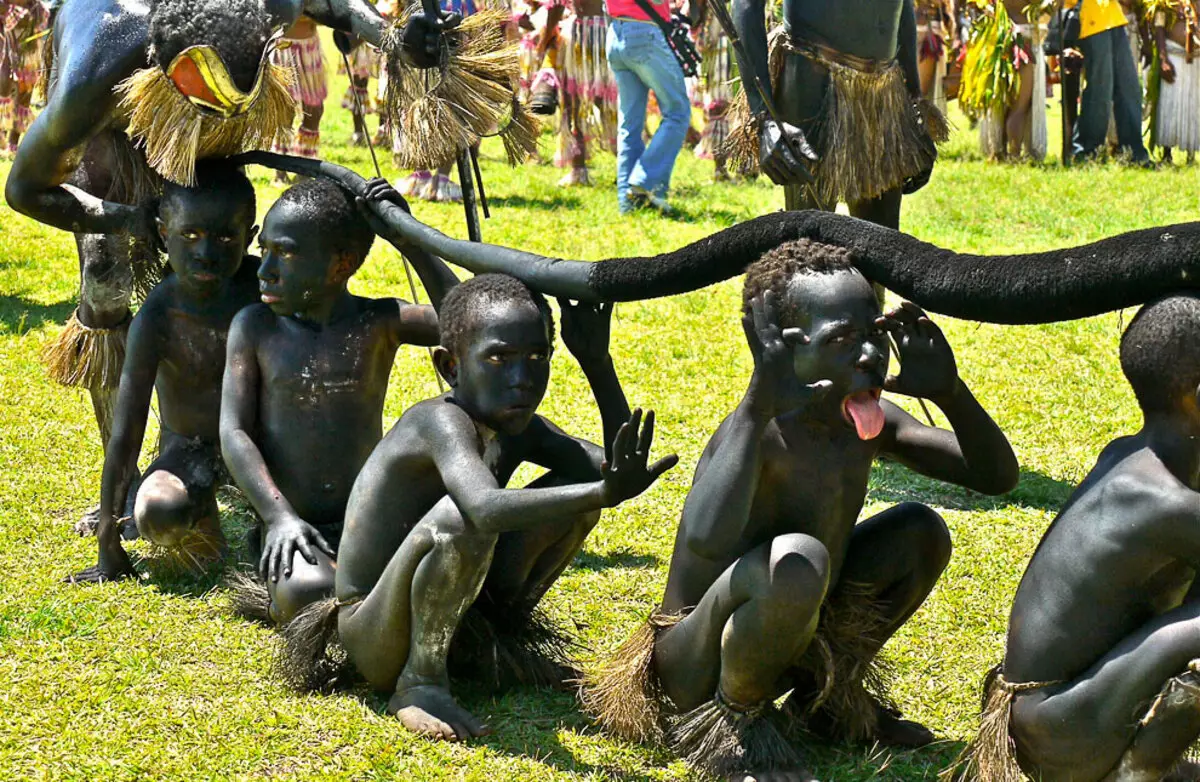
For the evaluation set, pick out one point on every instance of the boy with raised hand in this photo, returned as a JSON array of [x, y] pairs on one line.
[[177, 348], [430, 526], [774, 584], [305, 380]]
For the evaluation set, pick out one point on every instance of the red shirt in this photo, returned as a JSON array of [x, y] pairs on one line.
[[628, 9]]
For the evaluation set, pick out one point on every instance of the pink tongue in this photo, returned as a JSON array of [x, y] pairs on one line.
[[864, 408]]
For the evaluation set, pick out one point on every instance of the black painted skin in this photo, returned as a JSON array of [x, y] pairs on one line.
[[768, 530], [430, 524], [1108, 607], [176, 348], [880, 30], [98, 44], [302, 404]]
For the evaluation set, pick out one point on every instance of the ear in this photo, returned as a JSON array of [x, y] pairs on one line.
[[162, 230], [342, 268], [446, 365], [253, 232]]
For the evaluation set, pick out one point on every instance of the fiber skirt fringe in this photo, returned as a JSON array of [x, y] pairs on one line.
[[86, 357], [1179, 104], [587, 90], [864, 111], [438, 113], [992, 755], [303, 58], [505, 646]]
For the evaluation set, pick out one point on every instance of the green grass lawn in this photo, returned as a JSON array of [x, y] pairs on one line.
[[156, 680]]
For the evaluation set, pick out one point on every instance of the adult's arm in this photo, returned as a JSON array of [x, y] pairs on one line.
[[93, 56], [357, 17], [749, 20], [906, 49]]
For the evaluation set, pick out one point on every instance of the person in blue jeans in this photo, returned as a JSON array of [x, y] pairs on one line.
[[642, 61]]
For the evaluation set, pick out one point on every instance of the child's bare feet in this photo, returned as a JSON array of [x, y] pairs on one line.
[[431, 710]]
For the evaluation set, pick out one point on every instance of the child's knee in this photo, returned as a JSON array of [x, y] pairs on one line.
[[928, 533], [798, 574], [306, 585], [163, 511]]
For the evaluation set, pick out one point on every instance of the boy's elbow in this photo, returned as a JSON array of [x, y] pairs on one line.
[[19, 194], [1000, 480]]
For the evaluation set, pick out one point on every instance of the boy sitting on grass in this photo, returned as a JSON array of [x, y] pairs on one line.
[[306, 375], [177, 347], [431, 528], [774, 584], [1101, 676]]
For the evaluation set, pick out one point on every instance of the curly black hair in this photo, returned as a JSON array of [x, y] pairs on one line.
[[1160, 353], [237, 29], [776, 267], [331, 209], [218, 177], [468, 298]]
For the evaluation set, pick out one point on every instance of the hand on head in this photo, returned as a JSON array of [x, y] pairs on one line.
[[774, 387], [627, 475], [380, 191], [927, 365], [586, 329], [285, 539]]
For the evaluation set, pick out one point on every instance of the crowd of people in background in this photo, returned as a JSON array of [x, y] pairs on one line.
[[597, 69]]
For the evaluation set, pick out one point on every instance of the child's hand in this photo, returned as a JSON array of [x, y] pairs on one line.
[[627, 475], [927, 366], [774, 387], [585, 330], [285, 539], [379, 191]]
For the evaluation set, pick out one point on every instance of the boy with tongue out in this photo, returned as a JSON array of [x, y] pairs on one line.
[[774, 585]]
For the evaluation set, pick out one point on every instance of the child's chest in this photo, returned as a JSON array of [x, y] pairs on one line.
[[325, 363]]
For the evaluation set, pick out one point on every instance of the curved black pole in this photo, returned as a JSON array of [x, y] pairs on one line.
[[1121, 271]]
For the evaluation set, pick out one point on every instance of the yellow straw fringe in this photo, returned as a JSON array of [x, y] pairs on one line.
[[864, 112], [992, 755], [87, 357], [438, 113], [175, 134], [624, 694]]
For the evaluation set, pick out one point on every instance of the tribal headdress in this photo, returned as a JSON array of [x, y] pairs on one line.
[[193, 110], [1121, 271]]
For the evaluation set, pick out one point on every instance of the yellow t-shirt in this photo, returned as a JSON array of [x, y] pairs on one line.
[[1096, 16]]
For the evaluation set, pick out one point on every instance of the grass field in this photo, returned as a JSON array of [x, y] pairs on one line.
[[156, 680]]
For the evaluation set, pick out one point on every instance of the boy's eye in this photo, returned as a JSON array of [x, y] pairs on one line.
[[225, 239], [191, 236], [494, 358], [537, 356]]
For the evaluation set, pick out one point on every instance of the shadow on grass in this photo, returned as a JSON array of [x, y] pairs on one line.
[[892, 482], [19, 313], [621, 558], [527, 724], [559, 201]]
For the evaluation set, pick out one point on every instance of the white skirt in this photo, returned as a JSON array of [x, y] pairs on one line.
[[1179, 104]]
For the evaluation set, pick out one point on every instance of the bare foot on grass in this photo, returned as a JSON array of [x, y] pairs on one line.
[[430, 710]]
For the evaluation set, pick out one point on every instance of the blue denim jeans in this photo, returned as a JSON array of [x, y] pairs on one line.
[[641, 61], [1112, 86]]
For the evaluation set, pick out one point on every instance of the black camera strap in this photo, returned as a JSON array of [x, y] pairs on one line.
[[678, 39]]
